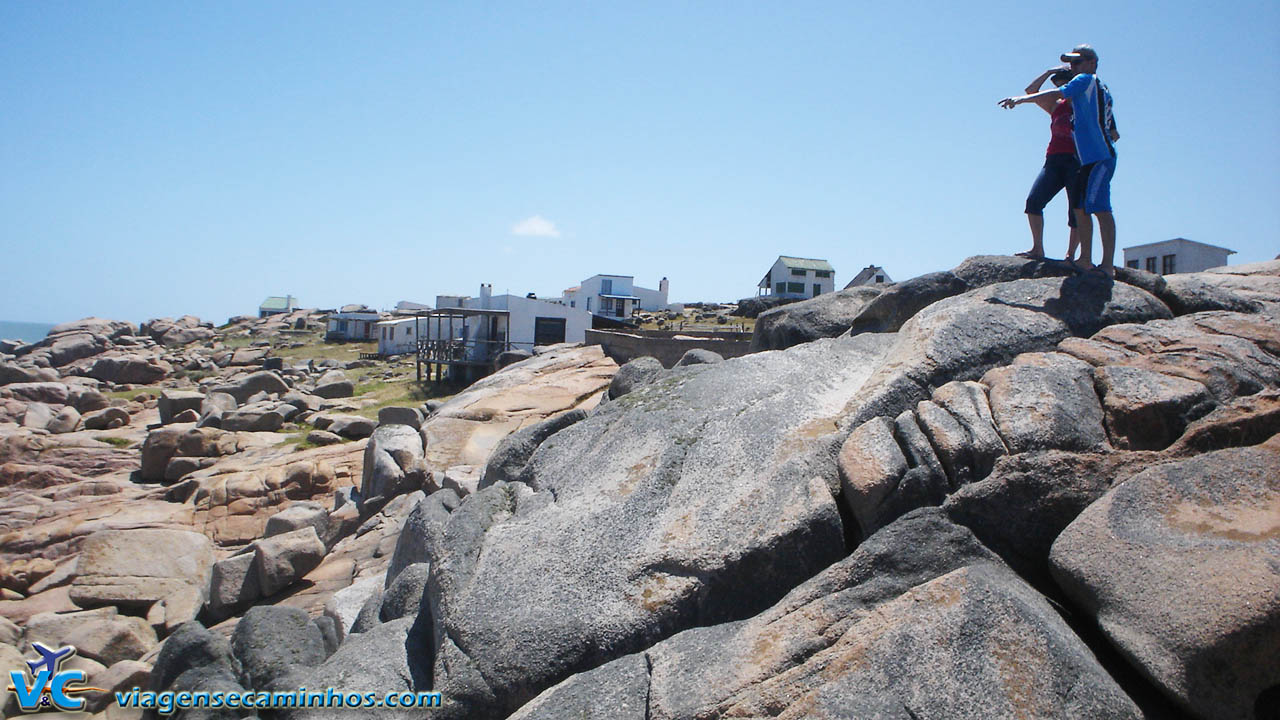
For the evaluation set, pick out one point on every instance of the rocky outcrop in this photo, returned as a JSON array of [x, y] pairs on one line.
[[1178, 565], [393, 465], [824, 316], [135, 568]]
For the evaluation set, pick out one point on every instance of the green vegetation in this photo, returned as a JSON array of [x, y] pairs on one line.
[[116, 441], [131, 394]]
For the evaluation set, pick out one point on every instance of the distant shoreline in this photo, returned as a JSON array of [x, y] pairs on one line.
[[26, 331]]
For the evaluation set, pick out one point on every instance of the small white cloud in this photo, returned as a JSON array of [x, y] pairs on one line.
[[536, 226]]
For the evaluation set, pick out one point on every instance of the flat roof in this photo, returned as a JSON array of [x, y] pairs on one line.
[[1179, 240], [440, 312], [620, 297]]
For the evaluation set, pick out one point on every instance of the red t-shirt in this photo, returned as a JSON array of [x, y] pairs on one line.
[[1060, 130]]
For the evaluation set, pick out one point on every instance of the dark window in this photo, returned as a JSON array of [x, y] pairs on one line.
[[798, 271], [797, 288], [606, 286], [548, 331], [1133, 264], [817, 289], [781, 289], [822, 273], [879, 278], [1151, 264], [588, 304], [606, 304], [1167, 266], [573, 303]]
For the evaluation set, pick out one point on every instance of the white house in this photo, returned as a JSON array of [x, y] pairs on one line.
[[473, 331], [798, 277], [870, 275], [352, 325], [615, 296], [1178, 255], [399, 336]]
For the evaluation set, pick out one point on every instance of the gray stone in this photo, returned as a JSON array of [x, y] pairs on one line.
[[898, 303], [135, 568], [421, 538], [334, 384], [191, 646], [401, 416], [1146, 410], [699, 356], [370, 613], [404, 595], [1178, 565], [329, 632], [122, 676], [131, 369], [344, 605], [920, 618], [1046, 401], [633, 374], [323, 437], [298, 516], [393, 465], [65, 422], [172, 402], [282, 560], [14, 373], [352, 427], [511, 357], [508, 459], [249, 356], [666, 508], [105, 419], [825, 316], [259, 417], [263, 381], [1194, 292], [269, 639], [37, 416]]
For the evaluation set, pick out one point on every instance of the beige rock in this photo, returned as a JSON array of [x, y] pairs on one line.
[[109, 641], [121, 676], [135, 568], [283, 559], [54, 628]]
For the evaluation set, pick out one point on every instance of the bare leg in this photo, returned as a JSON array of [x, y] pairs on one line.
[[1037, 237], [1084, 233], [1107, 232], [1073, 244]]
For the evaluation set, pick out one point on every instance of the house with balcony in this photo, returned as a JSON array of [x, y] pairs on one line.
[[1178, 255], [615, 297], [794, 277]]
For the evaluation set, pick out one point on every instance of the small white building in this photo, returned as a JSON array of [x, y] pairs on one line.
[[615, 296], [870, 275], [798, 278], [276, 305], [399, 335], [359, 326], [478, 329], [1178, 255]]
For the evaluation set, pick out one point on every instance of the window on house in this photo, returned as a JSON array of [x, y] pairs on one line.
[[797, 288], [408, 330], [606, 286], [817, 289], [879, 278], [588, 304], [1132, 263], [573, 303], [1151, 264], [1167, 266], [606, 304], [800, 272], [781, 289], [822, 273]]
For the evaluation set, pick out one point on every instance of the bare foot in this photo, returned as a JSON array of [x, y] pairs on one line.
[[1030, 255]]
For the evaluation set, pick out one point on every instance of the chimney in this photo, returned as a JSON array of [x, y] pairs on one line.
[[663, 285], [486, 292]]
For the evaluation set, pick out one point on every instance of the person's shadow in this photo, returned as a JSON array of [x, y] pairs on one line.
[[1080, 303]]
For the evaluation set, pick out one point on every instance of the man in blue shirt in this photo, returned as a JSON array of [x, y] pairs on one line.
[[1094, 131]]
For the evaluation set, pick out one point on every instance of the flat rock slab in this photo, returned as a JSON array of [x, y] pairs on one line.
[[134, 568], [700, 498], [1180, 566]]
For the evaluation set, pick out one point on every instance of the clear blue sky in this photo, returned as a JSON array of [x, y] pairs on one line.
[[161, 158]]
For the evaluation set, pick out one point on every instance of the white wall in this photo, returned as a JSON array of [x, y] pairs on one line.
[[398, 336], [781, 273], [523, 311], [1188, 256]]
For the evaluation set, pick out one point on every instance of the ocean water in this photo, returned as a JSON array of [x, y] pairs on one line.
[[25, 331]]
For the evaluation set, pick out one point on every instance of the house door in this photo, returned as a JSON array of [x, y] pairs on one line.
[[817, 289], [548, 331]]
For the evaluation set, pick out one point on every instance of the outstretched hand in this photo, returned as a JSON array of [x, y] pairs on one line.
[[1008, 103]]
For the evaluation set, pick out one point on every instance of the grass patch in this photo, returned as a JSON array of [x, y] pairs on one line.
[[405, 393], [316, 348], [116, 441], [131, 394]]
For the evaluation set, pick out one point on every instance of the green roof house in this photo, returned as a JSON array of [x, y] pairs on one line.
[[277, 305], [795, 277]]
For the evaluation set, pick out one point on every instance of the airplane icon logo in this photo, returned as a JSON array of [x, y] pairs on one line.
[[50, 659], [50, 685]]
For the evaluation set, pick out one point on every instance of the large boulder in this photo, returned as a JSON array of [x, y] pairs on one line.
[[176, 333], [701, 498], [134, 369], [334, 384], [392, 466], [1046, 401], [255, 417], [263, 381], [111, 640], [512, 454], [920, 621], [135, 568], [171, 402], [894, 306], [233, 584], [191, 647], [67, 420], [352, 427], [821, 317], [1178, 565], [281, 560], [633, 374], [14, 373], [269, 641]]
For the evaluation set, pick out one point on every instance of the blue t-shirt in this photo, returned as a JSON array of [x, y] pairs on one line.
[[1092, 120]]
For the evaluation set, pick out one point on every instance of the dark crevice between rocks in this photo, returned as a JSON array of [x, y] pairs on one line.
[[419, 647], [1153, 703], [648, 684], [852, 532]]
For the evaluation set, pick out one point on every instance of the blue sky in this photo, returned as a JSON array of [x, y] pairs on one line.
[[165, 158]]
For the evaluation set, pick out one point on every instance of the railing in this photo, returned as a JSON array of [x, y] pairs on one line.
[[464, 352]]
